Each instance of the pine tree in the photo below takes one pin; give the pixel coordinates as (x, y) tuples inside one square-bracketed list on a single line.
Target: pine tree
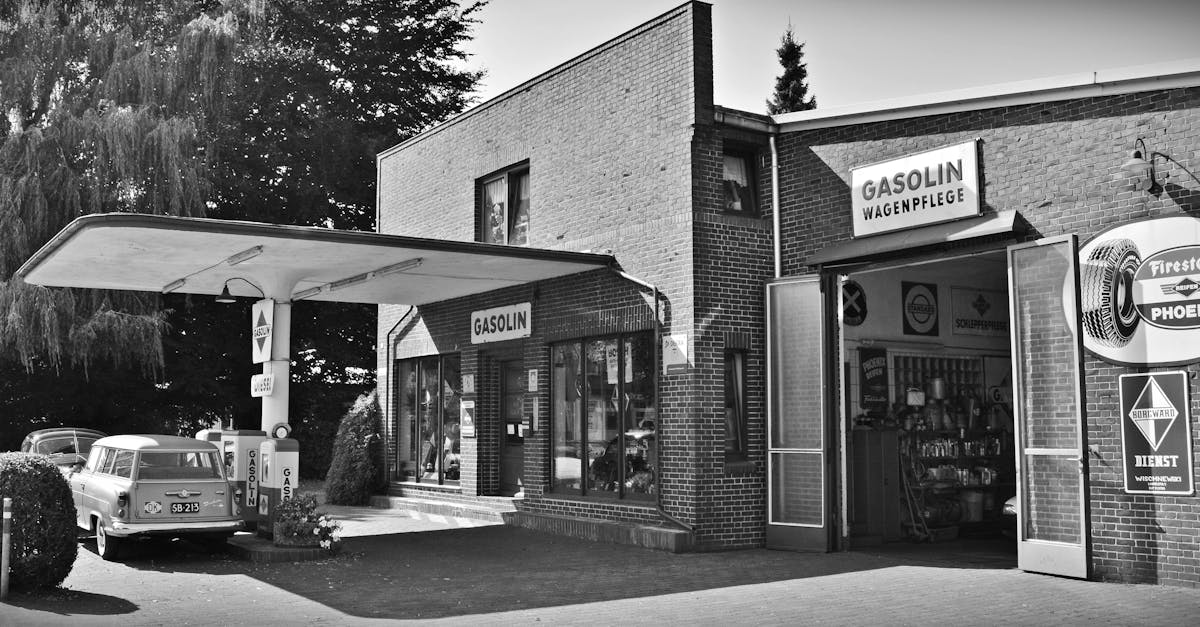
[(791, 90)]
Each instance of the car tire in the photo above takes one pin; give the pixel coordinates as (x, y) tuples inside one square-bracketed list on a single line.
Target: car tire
[(107, 546), (1110, 317)]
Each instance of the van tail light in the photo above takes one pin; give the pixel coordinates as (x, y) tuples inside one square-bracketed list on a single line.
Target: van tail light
[(237, 502), (122, 503)]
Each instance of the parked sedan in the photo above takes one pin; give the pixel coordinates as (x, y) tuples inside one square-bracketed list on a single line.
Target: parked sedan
[(137, 486), (66, 446)]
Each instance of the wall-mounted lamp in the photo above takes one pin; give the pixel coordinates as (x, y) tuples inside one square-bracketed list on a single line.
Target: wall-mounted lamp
[(226, 297), (1141, 165)]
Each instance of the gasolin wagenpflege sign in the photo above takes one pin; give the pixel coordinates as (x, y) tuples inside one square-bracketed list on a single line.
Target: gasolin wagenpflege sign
[(1139, 289), (1156, 433), (916, 190)]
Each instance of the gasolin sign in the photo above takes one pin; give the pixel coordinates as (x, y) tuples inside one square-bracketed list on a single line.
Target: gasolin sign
[(1156, 433), (261, 318), (1140, 292)]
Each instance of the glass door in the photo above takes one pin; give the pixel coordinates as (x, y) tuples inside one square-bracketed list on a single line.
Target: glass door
[(1052, 525), (512, 447), (797, 439)]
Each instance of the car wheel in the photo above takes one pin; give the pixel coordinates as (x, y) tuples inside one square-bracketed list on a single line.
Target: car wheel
[(107, 546)]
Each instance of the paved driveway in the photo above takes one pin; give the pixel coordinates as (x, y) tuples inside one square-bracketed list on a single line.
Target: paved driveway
[(444, 570)]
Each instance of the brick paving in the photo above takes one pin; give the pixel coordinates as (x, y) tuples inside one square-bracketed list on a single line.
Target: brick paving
[(434, 569)]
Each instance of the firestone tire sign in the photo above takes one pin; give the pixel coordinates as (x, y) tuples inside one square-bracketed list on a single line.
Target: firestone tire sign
[(1156, 433), (1139, 286)]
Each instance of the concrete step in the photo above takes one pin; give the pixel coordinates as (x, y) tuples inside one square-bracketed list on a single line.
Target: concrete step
[(672, 539), (489, 511)]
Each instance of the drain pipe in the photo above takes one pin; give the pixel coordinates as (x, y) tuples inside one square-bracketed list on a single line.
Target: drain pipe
[(775, 221), (658, 506), (390, 352)]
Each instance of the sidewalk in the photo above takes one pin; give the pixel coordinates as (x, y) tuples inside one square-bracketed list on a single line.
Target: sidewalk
[(397, 567)]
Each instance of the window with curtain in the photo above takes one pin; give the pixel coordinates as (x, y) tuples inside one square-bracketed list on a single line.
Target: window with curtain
[(428, 411), (735, 406), (504, 207), (738, 184), (605, 417)]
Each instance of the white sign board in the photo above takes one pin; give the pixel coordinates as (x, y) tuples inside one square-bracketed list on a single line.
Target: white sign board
[(917, 190), (979, 312), (466, 419), (262, 316), (675, 353), (501, 323), (262, 385), (1139, 286)]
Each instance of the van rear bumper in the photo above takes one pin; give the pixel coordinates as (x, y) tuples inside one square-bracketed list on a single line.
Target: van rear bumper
[(123, 529)]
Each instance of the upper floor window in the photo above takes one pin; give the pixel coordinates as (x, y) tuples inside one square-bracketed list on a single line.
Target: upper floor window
[(504, 210), (738, 183)]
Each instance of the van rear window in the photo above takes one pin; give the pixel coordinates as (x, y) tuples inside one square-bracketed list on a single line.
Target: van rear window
[(191, 465)]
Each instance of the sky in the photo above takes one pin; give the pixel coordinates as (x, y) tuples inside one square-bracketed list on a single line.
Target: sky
[(857, 51)]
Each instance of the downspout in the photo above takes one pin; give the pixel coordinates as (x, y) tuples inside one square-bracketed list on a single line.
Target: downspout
[(775, 221), (389, 352), (658, 506)]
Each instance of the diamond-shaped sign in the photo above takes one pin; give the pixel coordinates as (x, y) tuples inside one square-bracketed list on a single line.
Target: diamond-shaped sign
[(1153, 414), (262, 317)]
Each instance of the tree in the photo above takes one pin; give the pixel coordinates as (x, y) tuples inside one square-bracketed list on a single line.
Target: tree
[(258, 110), (791, 90)]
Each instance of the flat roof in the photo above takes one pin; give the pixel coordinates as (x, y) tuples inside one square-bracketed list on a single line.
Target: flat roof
[(154, 253), (1167, 75)]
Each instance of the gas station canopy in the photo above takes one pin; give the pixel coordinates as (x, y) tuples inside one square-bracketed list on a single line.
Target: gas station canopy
[(125, 251)]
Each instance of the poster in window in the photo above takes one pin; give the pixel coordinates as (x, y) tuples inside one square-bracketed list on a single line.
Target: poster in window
[(920, 305), (873, 379)]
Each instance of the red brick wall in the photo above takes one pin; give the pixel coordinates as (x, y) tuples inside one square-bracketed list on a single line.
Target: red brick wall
[(1059, 165)]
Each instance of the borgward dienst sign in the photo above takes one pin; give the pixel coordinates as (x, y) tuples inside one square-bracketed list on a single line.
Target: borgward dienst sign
[(1156, 433)]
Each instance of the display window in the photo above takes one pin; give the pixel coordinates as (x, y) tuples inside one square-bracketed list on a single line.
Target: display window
[(430, 393), (605, 417)]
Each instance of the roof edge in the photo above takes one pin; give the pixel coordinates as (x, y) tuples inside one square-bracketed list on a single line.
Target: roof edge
[(1168, 75), (558, 69)]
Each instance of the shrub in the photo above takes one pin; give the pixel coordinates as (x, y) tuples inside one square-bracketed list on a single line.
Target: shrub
[(43, 521), (356, 471)]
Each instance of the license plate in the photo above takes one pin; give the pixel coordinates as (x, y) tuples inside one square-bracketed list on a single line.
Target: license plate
[(191, 507)]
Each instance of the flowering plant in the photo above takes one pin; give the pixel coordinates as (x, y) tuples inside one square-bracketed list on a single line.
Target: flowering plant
[(327, 533), (298, 523)]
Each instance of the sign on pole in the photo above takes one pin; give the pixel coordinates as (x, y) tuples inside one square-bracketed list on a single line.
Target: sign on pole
[(262, 317)]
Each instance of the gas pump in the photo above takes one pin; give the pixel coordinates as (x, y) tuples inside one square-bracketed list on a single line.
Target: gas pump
[(280, 464), (241, 449)]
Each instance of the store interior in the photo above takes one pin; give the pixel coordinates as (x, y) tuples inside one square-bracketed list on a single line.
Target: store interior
[(928, 403)]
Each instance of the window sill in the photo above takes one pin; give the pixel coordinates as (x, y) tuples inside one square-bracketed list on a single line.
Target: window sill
[(740, 468)]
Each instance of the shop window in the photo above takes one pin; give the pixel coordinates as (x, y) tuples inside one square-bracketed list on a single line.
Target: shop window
[(735, 406), (605, 417), (738, 183), (427, 414), (504, 207)]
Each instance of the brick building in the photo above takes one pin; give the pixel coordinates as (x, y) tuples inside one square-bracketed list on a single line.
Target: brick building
[(844, 371)]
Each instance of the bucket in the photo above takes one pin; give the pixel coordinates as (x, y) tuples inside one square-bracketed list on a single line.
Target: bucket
[(972, 502)]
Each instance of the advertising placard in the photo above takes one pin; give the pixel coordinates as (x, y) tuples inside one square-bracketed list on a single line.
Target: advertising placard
[(979, 312), (466, 419), (675, 353), (916, 190), (1139, 292), (873, 379), (920, 304), (262, 315), (262, 385), (1156, 433)]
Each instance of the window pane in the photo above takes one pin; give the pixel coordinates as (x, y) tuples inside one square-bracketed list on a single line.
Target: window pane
[(122, 464), (495, 197), (566, 404), (735, 406), (639, 417), (518, 231), (451, 405), (408, 446), (738, 196), (793, 499), (176, 465), (429, 402), (602, 369)]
